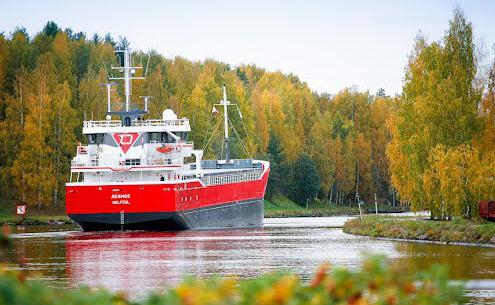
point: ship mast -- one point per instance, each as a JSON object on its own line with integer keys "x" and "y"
{"x": 226, "y": 125}
{"x": 127, "y": 71}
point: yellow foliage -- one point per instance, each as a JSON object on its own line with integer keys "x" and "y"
{"x": 457, "y": 179}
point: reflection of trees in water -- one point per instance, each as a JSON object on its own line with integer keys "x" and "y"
{"x": 464, "y": 262}
{"x": 44, "y": 256}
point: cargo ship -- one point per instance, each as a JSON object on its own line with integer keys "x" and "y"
{"x": 133, "y": 174}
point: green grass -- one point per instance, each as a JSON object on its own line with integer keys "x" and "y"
{"x": 458, "y": 230}
{"x": 283, "y": 207}
{"x": 281, "y": 204}
{"x": 34, "y": 219}
{"x": 33, "y": 216}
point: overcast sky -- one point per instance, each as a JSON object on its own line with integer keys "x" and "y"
{"x": 328, "y": 44}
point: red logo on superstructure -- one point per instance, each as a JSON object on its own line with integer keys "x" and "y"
{"x": 125, "y": 140}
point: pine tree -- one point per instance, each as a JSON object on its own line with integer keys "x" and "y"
{"x": 279, "y": 170}
{"x": 305, "y": 181}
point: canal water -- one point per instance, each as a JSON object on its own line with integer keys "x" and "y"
{"x": 140, "y": 262}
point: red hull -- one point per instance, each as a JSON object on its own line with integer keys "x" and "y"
{"x": 161, "y": 198}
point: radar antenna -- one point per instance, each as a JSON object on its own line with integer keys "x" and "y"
{"x": 146, "y": 99}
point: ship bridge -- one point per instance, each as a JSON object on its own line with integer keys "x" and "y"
{"x": 139, "y": 150}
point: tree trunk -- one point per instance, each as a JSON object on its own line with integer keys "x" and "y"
{"x": 57, "y": 162}
{"x": 39, "y": 152}
{"x": 357, "y": 179}
{"x": 21, "y": 97}
{"x": 393, "y": 196}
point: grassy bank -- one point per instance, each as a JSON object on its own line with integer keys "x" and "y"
{"x": 33, "y": 217}
{"x": 34, "y": 220}
{"x": 455, "y": 231}
{"x": 283, "y": 207}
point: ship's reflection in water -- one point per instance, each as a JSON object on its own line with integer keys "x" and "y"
{"x": 139, "y": 262}
{"x": 136, "y": 262}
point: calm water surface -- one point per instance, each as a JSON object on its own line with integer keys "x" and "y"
{"x": 139, "y": 262}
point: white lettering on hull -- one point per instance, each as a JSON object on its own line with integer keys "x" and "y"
{"x": 123, "y": 198}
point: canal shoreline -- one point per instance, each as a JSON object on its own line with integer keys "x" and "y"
{"x": 430, "y": 241}
{"x": 54, "y": 220}
{"x": 278, "y": 207}
{"x": 410, "y": 229}
{"x": 279, "y": 213}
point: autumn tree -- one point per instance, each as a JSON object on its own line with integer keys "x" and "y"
{"x": 62, "y": 140}
{"x": 381, "y": 110}
{"x": 457, "y": 179}
{"x": 321, "y": 149}
{"x": 32, "y": 170}
{"x": 439, "y": 89}
{"x": 487, "y": 112}
{"x": 12, "y": 130}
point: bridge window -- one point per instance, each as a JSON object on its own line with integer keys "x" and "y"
{"x": 162, "y": 137}
{"x": 182, "y": 135}
{"x": 132, "y": 162}
{"x": 96, "y": 138}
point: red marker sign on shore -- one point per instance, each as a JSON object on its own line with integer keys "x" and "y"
{"x": 21, "y": 210}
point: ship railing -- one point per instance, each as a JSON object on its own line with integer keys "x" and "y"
{"x": 179, "y": 122}
{"x": 105, "y": 123}
{"x": 118, "y": 123}
{"x": 232, "y": 177}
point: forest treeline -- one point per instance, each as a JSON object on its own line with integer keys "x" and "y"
{"x": 319, "y": 145}
{"x": 434, "y": 144}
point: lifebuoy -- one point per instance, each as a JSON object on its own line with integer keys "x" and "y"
{"x": 164, "y": 149}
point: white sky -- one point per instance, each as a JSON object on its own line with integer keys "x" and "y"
{"x": 328, "y": 44}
